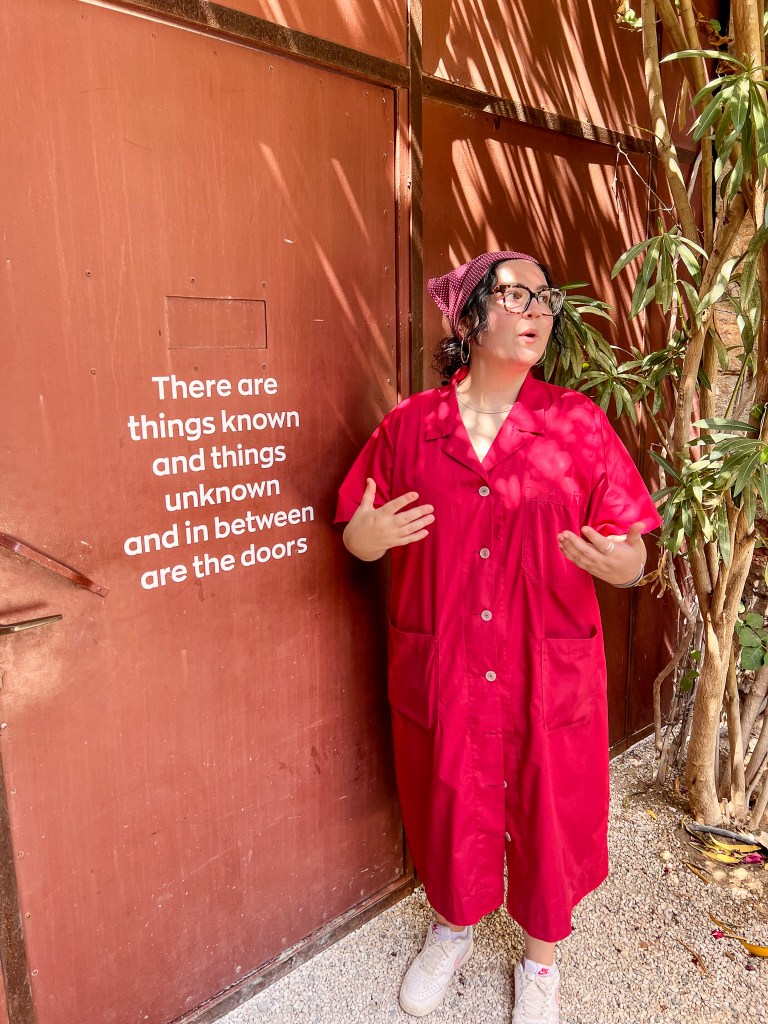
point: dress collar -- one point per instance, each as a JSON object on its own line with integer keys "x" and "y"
{"x": 527, "y": 414}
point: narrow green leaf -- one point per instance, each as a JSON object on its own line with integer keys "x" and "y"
{"x": 723, "y": 534}
{"x": 719, "y": 55}
{"x": 643, "y": 278}
{"x": 744, "y": 475}
{"x": 749, "y": 504}
{"x": 722, "y": 351}
{"x": 710, "y": 87}
{"x": 630, "y": 255}
{"x": 740, "y": 102}
{"x": 704, "y": 121}
{"x": 690, "y": 261}
{"x": 723, "y": 424}
{"x": 668, "y": 468}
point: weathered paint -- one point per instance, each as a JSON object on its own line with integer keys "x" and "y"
{"x": 199, "y": 775}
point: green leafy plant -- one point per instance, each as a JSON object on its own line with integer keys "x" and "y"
{"x": 697, "y": 272}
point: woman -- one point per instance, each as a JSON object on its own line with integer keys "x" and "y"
{"x": 500, "y": 497}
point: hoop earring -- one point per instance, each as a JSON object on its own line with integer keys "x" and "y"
{"x": 464, "y": 352}
{"x": 542, "y": 357}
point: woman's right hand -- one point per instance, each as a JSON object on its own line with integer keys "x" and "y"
{"x": 371, "y": 532}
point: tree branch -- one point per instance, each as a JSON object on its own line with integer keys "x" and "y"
{"x": 664, "y": 143}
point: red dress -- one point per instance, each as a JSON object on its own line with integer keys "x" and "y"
{"x": 496, "y": 664}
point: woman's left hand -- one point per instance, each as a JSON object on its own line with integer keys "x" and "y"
{"x": 616, "y": 560}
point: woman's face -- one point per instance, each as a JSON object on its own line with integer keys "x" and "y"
{"x": 517, "y": 339}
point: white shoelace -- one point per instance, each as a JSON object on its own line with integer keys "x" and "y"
{"x": 435, "y": 956}
{"x": 536, "y": 998}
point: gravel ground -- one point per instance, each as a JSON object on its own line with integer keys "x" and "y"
{"x": 622, "y": 965}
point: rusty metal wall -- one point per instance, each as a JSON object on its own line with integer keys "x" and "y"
{"x": 197, "y": 765}
{"x": 569, "y": 59}
{"x": 377, "y": 28}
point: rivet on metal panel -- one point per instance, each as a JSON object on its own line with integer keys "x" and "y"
{"x": 34, "y": 973}
{"x": 93, "y": 370}
{"x": 27, "y": 915}
{"x": 87, "y": 273}
{"x": 3, "y": 725}
{"x": 191, "y": 280}
{"x": 263, "y": 284}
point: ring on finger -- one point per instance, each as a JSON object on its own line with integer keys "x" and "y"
{"x": 610, "y": 548}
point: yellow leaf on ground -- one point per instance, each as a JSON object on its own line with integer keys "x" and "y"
{"x": 751, "y": 948}
{"x": 649, "y": 811}
{"x": 724, "y": 858}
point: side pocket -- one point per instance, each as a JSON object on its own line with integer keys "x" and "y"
{"x": 413, "y": 676}
{"x": 572, "y": 679}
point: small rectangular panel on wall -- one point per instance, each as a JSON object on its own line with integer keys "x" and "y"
{"x": 490, "y": 183}
{"x": 216, "y": 729}
{"x": 569, "y": 59}
{"x": 376, "y": 28}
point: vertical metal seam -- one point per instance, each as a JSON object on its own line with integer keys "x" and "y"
{"x": 415, "y": 36}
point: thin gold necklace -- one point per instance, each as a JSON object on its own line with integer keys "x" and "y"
{"x": 485, "y": 412}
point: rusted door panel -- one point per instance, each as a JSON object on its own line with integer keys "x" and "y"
{"x": 492, "y": 184}
{"x": 377, "y": 28}
{"x": 198, "y": 775}
{"x": 569, "y": 59}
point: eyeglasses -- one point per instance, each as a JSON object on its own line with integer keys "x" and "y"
{"x": 517, "y": 298}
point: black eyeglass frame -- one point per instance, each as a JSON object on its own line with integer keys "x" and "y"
{"x": 555, "y": 293}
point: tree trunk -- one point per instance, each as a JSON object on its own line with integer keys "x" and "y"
{"x": 721, "y": 609}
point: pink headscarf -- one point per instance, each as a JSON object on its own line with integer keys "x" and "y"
{"x": 451, "y": 291}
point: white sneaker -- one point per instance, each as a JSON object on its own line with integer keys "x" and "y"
{"x": 537, "y": 998}
{"x": 427, "y": 979}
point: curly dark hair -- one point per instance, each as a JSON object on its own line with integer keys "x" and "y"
{"x": 447, "y": 355}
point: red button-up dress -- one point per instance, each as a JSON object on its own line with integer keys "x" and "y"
{"x": 497, "y": 675}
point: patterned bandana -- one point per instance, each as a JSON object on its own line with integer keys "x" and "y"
{"x": 451, "y": 291}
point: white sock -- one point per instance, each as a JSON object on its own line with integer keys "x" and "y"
{"x": 544, "y": 969}
{"x": 446, "y": 934}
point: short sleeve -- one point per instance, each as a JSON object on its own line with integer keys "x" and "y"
{"x": 375, "y": 460}
{"x": 619, "y": 496}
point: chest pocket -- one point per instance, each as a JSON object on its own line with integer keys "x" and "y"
{"x": 548, "y": 511}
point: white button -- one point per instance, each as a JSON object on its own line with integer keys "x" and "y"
{"x": 486, "y": 616}
{"x": 505, "y": 783}
{"x": 485, "y": 553}
{"x": 508, "y": 837}
{"x": 490, "y": 676}
{"x": 484, "y": 491}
